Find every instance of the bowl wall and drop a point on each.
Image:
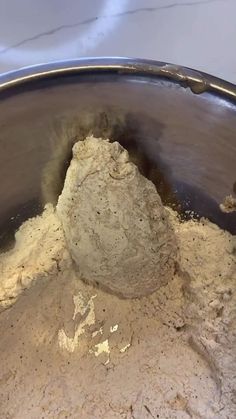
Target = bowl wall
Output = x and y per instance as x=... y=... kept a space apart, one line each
x=179 y=126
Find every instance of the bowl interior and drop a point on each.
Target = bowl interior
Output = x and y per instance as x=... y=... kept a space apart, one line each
x=184 y=142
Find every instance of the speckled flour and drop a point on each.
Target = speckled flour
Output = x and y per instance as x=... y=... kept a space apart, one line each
x=69 y=350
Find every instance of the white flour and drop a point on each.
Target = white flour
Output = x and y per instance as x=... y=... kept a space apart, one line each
x=173 y=352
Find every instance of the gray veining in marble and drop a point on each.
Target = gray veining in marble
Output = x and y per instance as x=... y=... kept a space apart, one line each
x=111 y=16
x=195 y=33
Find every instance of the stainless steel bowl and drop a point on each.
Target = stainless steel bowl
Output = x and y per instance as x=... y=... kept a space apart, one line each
x=178 y=124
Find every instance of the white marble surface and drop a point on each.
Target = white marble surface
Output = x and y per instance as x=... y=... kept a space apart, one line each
x=197 y=33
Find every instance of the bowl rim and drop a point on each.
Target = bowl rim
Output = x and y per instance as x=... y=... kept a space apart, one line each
x=197 y=81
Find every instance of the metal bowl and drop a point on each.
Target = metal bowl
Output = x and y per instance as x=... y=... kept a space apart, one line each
x=178 y=124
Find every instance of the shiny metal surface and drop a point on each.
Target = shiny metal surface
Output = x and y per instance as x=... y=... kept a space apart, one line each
x=179 y=126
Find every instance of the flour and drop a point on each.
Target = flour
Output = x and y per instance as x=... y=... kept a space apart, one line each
x=229 y=204
x=208 y=263
x=38 y=252
x=70 y=344
x=175 y=349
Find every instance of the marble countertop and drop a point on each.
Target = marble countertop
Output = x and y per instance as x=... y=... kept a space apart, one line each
x=195 y=33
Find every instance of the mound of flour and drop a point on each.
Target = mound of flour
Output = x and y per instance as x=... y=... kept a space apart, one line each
x=39 y=249
x=208 y=267
x=175 y=349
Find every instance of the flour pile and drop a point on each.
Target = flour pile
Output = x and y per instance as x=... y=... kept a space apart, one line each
x=173 y=351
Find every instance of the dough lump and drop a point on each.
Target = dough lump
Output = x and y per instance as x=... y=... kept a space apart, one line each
x=117 y=230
